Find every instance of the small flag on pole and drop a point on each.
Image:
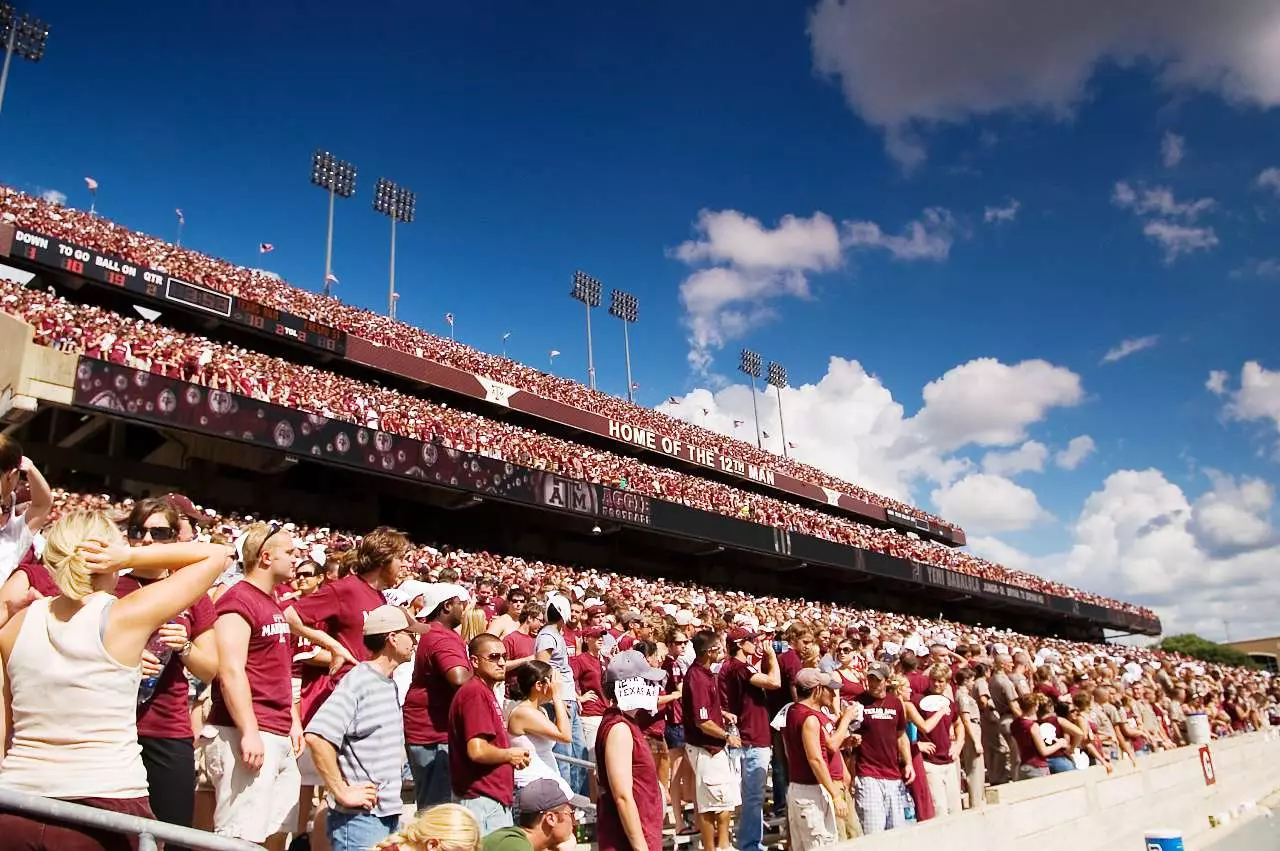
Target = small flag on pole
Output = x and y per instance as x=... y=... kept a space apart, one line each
x=705 y=412
x=265 y=248
x=448 y=317
x=92 y=184
x=506 y=336
x=737 y=423
x=671 y=400
x=182 y=220
x=635 y=385
x=555 y=353
x=764 y=433
x=331 y=278
x=790 y=445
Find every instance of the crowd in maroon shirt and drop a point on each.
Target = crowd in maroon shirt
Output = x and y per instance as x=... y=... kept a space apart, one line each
x=103 y=235
x=102 y=334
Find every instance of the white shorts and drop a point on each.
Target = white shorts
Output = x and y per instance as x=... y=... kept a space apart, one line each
x=307 y=771
x=717 y=785
x=811 y=815
x=252 y=805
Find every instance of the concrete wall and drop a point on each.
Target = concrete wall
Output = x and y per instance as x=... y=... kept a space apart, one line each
x=1087 y=810
x=29 y=372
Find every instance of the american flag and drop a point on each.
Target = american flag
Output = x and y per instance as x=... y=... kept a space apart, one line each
x=182 y=220
x=635 y=385
x=331 y=278
x=705 y=412
x=764 y=433
x=448 y=317
x=265 y=248
x=737 y=423
x=671 y=400
x=91 y=183
x=790 y=445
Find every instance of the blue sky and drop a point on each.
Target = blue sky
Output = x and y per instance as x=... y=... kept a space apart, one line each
x=542 y=140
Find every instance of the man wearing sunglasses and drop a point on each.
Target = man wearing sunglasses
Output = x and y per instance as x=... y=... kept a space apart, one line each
x=16 y=529
x=547 y=820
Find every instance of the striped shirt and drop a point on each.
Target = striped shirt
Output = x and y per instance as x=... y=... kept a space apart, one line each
x=362 y=720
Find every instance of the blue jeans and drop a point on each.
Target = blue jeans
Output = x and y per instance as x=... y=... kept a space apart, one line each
x=755 y=768
x=779 y=766
x=1059 y=764
x=429 y=765
x=358 y=831
x=489 y=813
x=574 y=775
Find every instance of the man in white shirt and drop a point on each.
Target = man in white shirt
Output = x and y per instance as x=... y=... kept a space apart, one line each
x=17 y=529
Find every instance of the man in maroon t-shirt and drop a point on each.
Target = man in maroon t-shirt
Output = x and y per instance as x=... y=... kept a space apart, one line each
x=440 y=667
x=482 y=762
x=252 y=759
x=706 y=734
x=941 y=745
x=884 y=756
x=520 y=644
x=744 y=690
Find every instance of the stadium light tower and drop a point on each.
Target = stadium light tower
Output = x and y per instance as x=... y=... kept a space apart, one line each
x=624 y=306
x=22 y=35
x=777 y=376
x=339 y=177
x=586 y=289
x=750 y=365
x=400 y=205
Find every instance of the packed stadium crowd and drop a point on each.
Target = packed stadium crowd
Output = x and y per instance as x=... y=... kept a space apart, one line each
x=101 y=234
x=135 y=342
x=844 y=720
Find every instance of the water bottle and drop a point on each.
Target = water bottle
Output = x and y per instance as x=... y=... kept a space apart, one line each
x=163 y=652
x=909 y=808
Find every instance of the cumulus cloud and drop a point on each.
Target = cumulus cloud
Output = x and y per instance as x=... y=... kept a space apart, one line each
x=1129 y=347
x=926 y=238
x=1172 y=149
x=1234 y=516
x=1177 y=240
x=1075 y=452
x=1258 y=397
x=1027 y=458
x=728 y=236
x=1217 y=382
x=989 y=504
x=53 y=196
x=1007 y=213
x=1265 y=268
x=1158 y=201
x=907 y=65
x=1269 y=178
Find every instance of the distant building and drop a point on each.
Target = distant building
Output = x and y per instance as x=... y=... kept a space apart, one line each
x=1264 y=651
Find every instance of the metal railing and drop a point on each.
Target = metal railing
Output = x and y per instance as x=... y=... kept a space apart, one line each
x=148 y=831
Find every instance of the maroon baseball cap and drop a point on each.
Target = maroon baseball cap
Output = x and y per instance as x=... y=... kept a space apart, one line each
x=184 y=506
x=741 y=633
x=592 y=632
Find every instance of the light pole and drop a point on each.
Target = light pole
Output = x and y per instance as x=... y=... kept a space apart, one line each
x=777 y=376
x=339 y=177
x=586 y=289
x=624 y=306
x=749 y=364
x=400 y=205
x=24 y=36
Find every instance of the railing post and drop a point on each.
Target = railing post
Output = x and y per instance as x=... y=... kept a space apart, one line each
x=146 y=842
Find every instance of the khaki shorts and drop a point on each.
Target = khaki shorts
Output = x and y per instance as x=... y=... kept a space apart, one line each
x=252 y=805
x=811 y=816
x=717 y=785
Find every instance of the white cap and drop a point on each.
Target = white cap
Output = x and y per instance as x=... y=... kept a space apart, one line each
x=439 y=593
x=560 y=604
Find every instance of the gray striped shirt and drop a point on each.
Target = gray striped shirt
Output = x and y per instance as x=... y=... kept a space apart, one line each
x=362 y=720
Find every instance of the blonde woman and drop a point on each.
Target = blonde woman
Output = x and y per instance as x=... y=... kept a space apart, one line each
x=445 y=827
x=473 y=622
x=73 y=666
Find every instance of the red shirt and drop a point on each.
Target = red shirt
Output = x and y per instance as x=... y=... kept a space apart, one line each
x=940 y=736
x=675 y=677
x=610 y=835
x=883 y=720
x=474 y=715
x=267 y=662
x=518 y=644
x=1025 y=731
x=38 y=576
x=850 y=689
x=426 y=705
x=788 y=665
x=919 y=682
x=165 y=715
x=570 y=641
x=798 y=768
x=588 y=673
x=701 y=702
x=746 y=701
x=339 y=609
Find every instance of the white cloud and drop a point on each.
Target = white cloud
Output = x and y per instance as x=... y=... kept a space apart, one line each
x=1172 y=149
x=1217 y=382
x=1177 y=240
x=1007 y=213
x=1258 y=397
x=1266 y=268
x=909 y=64
x=53 y=196
x=1075 y=452
x=761 y=265
x=988 y=504
x=1269 y=178
x=927 y=238
x=1027 y=458
x=1159 y=201
x=1129 y=347
x=1234 y=516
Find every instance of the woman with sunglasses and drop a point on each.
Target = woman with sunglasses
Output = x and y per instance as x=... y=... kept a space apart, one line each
x=680 y=787
x=185 y=644
x=73 y=665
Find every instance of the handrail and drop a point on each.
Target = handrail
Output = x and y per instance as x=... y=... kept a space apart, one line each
x=149 y=831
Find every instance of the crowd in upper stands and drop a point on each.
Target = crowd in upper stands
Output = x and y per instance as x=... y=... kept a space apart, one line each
x=102 y=235
x=137 y=343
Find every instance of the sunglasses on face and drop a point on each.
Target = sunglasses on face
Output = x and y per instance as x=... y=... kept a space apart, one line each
x=846 y=649
x=495 y=657
x=159 y=534
x=305 y=575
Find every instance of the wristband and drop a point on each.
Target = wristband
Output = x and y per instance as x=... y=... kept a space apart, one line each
x=185 y=651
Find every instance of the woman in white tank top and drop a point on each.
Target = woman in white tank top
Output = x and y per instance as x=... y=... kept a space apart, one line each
x=531 y=685
x=72 y=666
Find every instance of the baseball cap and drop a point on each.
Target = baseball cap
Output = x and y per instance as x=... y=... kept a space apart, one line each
x=184 y=506
x=386 y=619
x=592 y=632
x=598 y=609
x=684 y=617
x=811 y=678
x=542 y=796
x=440 y=593
x=742 y=633
x=560 y=604
x=629 y=617
x=879 y=670
x=630 y=664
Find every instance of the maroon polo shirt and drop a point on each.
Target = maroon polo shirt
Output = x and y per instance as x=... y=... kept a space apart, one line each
x=940 y=736
x=474 y=715
x=426 y=705
x=267 y=663
x=701 y=702
x=518 y=645
x=789 y=665
x=748 y=702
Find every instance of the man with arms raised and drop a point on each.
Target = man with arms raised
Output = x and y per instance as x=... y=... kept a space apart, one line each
x=16 y=529
x=744 y=691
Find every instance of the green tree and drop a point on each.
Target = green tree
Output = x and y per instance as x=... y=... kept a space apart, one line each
x=1192 y=645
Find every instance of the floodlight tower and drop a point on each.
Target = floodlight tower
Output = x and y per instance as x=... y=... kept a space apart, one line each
x=749 y=364
x=586 y=289
x=777 y=376
x=23 y=36
x=339 y=177
x=625 y=307
x=400 y=205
